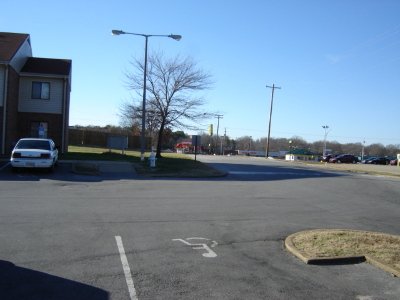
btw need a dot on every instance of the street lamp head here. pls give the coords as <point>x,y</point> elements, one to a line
<point>176,37</point>
<point>117,32</point>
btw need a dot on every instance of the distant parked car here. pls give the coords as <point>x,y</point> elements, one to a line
<point>393,162</point>
<point>344,158</point>
<point>365,161</point>
<point>34,153</point>
<point>379,161</point>
<point>327,157</point>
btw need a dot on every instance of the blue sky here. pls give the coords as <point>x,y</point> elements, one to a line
<point>337,62</point>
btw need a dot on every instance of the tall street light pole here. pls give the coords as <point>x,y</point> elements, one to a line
<point>325,127</point>
<point>362,150</point>
<point>146,36</point>
<point>273,87</point>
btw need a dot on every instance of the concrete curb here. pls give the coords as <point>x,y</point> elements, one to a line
<point>99,167</point>
<point>338,259</point>
<point>96,168</point>
<point>375,262</point>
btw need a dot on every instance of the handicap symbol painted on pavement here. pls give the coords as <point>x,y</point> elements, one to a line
<point>207,243</point>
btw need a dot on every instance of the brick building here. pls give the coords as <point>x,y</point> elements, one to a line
<point>34,94</point>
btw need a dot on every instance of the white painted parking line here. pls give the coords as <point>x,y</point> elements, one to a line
<point>126,268</point>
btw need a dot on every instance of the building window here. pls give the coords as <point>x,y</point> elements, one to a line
<point>41,90</point>
<point>39,129</point>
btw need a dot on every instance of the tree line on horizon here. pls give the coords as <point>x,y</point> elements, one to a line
<point>171,138</point>
<point>296,142</point>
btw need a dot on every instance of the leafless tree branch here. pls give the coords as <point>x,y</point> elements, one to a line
<point>172,86</point>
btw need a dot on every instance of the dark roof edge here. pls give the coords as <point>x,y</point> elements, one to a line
<point>26,36</point>
<point>49,66</point>
<point>50,75</point>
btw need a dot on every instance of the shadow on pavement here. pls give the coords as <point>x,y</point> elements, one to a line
<point>63,172</point>
<point>22,283</point>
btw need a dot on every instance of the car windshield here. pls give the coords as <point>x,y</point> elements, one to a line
<point>33,144</point>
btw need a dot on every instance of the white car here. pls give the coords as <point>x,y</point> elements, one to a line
<point>34,153</point>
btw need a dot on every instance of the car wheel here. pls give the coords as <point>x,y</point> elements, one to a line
<point>338,161</point>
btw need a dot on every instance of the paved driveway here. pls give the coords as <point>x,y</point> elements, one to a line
<point>70,236</point>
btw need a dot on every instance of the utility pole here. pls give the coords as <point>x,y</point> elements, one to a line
<point>273,87</point>
<point>219,117</point>
<point>222,151</point>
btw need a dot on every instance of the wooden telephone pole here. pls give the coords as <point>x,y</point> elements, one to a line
<point>273,87</point>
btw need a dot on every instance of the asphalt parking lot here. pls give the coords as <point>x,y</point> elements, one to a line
<point>111,236</point>
<point>3,163</point>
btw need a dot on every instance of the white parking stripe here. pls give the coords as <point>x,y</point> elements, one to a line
<point>127,270</point>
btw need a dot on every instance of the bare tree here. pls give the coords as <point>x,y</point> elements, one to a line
<point>376,149</point>
<point>171,93</point>
<point>131,116</point>
<point>392,150</point>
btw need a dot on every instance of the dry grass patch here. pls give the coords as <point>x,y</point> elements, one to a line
<point>379,248</point>
<point>170,165</point>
